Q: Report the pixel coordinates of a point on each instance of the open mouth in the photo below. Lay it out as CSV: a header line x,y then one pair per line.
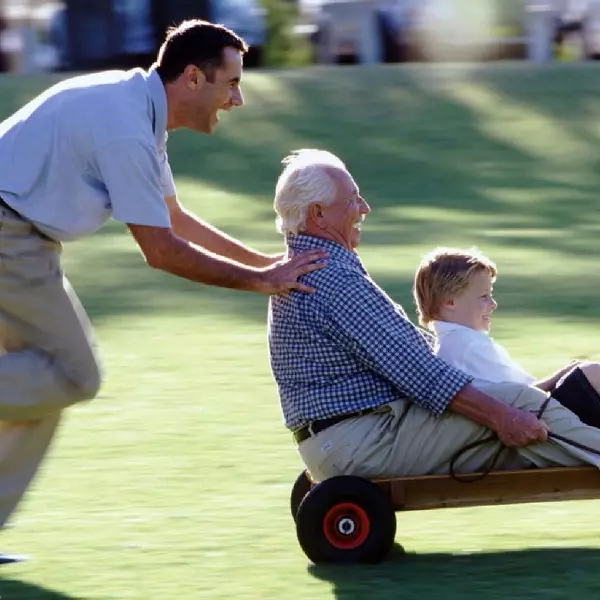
x,y
357,224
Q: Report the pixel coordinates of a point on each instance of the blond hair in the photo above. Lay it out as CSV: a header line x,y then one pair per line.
x,y
444,273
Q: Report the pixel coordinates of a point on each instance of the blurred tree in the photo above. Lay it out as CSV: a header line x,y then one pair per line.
x,y
284,47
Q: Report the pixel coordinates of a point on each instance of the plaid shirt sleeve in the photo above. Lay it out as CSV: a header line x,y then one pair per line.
x,y
428,337
373,328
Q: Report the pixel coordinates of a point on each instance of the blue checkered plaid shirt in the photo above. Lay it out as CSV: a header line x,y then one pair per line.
x,y
348,346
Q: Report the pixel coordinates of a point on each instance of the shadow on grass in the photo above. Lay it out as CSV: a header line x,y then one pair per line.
x,y
12,589
547,573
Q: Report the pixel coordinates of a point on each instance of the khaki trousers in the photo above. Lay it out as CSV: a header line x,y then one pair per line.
x,y
407,440
48,359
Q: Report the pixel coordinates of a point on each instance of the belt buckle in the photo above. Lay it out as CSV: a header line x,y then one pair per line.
x,y
310,429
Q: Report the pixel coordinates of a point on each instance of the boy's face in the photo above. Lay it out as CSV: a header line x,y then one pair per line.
x,y
473,306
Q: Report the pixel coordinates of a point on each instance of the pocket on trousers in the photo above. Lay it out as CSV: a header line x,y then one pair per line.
x,y
31,270
336,461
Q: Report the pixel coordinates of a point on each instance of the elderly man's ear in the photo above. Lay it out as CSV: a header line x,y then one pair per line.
x,y
315,213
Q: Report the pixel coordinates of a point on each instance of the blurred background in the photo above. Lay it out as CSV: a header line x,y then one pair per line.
x,y
49,35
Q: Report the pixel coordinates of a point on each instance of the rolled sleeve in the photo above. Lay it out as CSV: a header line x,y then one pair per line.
x,y
131,171
368,324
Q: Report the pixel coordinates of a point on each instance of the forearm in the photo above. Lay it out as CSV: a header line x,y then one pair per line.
x,y
184,259
479,407
191,228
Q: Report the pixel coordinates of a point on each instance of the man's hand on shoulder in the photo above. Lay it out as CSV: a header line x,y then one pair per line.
x,y
282,276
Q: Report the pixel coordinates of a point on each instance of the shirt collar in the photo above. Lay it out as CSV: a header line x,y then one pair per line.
x,y
158,95
302,242
441,327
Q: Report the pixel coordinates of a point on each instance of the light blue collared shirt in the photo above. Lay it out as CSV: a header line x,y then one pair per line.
x,y
90,147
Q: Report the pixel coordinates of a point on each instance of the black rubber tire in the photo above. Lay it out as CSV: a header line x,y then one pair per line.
x,y
346,519
302,486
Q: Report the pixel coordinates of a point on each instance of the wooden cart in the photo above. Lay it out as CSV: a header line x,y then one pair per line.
x,y
350,519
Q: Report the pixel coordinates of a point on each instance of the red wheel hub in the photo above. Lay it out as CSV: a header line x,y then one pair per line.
x,y
346,526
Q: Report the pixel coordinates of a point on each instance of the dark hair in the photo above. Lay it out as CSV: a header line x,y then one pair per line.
x,y
195,42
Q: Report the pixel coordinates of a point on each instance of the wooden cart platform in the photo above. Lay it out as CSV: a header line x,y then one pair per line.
x,y
498,487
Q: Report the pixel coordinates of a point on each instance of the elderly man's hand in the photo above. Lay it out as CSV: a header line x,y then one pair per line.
x,y
517,428
283,276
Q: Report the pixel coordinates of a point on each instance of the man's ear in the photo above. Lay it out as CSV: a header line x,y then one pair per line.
x,y
193,78
315,212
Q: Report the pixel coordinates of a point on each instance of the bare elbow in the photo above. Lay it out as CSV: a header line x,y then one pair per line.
x,y
155,244
154,260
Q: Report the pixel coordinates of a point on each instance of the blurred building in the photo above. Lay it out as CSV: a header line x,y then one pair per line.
x,y
97,34
450,30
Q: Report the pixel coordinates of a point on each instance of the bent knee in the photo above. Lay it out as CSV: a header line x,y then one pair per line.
x,y
592,371
87,382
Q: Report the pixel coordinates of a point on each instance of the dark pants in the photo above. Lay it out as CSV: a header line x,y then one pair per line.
x,y
576,393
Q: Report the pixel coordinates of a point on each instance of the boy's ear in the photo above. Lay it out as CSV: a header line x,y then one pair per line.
x,y
448,303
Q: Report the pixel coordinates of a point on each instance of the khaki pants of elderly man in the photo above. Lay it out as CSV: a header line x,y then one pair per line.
x,y
405,440
48,360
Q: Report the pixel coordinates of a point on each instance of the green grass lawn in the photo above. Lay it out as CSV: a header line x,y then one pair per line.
x,y
175,483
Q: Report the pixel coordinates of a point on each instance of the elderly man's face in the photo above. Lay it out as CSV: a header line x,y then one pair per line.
x,y
341,220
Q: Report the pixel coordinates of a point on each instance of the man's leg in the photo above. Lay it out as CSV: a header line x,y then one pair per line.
x,y
405,441
51,361
559,420
424,441
23,445
410,441
22,449
58,365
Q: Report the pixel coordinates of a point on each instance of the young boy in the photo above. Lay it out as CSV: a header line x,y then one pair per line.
x,y
453,292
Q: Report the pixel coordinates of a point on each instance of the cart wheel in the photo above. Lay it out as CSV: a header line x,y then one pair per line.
x,y
346,519
302,486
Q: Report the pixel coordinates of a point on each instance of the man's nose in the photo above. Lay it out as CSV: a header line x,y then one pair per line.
x,y
365,209
237,98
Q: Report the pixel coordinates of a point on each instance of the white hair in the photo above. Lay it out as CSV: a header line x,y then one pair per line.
x,y
305,180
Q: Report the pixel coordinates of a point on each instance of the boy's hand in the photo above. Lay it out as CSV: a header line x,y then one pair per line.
x,y
564,371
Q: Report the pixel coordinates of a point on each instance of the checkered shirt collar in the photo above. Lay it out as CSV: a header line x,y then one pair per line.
x,y
337,252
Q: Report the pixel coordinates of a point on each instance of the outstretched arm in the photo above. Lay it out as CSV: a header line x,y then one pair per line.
x,y
166,251
191,228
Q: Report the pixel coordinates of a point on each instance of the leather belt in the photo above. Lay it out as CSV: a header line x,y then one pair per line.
x,y
315,427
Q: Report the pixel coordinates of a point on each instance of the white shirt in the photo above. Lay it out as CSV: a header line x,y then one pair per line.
x,y
477,354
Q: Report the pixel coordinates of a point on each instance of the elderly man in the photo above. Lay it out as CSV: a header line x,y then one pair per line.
x,y
90,148
360,387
